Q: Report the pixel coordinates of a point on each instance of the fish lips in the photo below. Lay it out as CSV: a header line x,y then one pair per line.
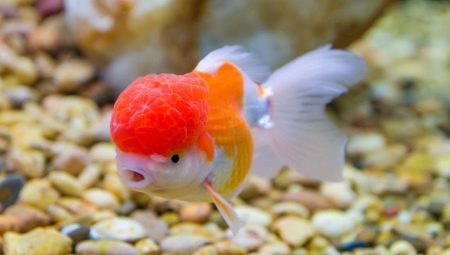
x,y
135,178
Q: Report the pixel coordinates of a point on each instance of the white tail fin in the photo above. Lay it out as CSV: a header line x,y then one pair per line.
x,y
302,136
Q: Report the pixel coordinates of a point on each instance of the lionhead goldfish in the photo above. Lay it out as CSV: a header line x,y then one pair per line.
x,y
197,136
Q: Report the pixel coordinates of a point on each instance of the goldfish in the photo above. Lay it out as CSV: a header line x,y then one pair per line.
x,y
198,136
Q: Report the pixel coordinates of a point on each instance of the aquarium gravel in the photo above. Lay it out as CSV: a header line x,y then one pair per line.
x,y
60,192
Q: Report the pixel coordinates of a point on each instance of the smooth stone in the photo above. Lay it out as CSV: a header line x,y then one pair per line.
x,y
37,242
103,153
26,217
340,194
196,212
72,73
121,229
209,231
365,143
69,157
147,247
402,248
253,215
229,247
76,232
76,206
39,193
105,247
334,224
101,199
206,250
126,207
156,229
350,246
311,199
275,248
89,176
29,163
113,184
251,237
182,244
10,187
255,187
65,183
289,208
294,231
443,167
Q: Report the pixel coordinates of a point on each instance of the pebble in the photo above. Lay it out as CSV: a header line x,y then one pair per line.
x,y
147,247
251,237
156,229
37,242
121,229
24,218
289,208
113,184
209,231
253,215
73,73
49,7
294,231
402,248
10,187
230,248
103,153
39,193
182,244
69,158
443,166
31,164
275,248
76,206
206,250
43,38
340,194
311,199
105,247
334,224
76,232
65,183
102,199
350,246
196,212
89,176
365,143
255,187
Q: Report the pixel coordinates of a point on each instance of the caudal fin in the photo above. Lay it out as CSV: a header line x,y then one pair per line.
x,y
302,136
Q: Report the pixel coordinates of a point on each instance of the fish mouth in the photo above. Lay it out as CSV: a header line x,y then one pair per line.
x,y
135,178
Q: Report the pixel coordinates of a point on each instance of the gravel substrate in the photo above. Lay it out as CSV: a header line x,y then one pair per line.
x,y
60,192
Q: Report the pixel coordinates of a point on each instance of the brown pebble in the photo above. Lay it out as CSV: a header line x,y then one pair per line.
x,y
311,199
104,247
196,212
43,38
28,216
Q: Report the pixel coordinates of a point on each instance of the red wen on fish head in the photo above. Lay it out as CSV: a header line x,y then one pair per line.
x,y
160,114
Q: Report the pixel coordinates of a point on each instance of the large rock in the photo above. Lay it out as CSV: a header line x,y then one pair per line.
x,y
129,38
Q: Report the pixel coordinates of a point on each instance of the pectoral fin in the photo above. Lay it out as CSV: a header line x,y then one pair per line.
x,y
225,209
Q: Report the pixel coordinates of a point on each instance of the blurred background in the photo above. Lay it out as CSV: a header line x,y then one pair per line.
x,y
62,63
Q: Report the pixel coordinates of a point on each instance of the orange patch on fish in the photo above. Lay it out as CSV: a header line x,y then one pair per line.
x,y
225,122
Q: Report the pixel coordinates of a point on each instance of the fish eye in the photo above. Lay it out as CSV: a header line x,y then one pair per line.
x,y
175,158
